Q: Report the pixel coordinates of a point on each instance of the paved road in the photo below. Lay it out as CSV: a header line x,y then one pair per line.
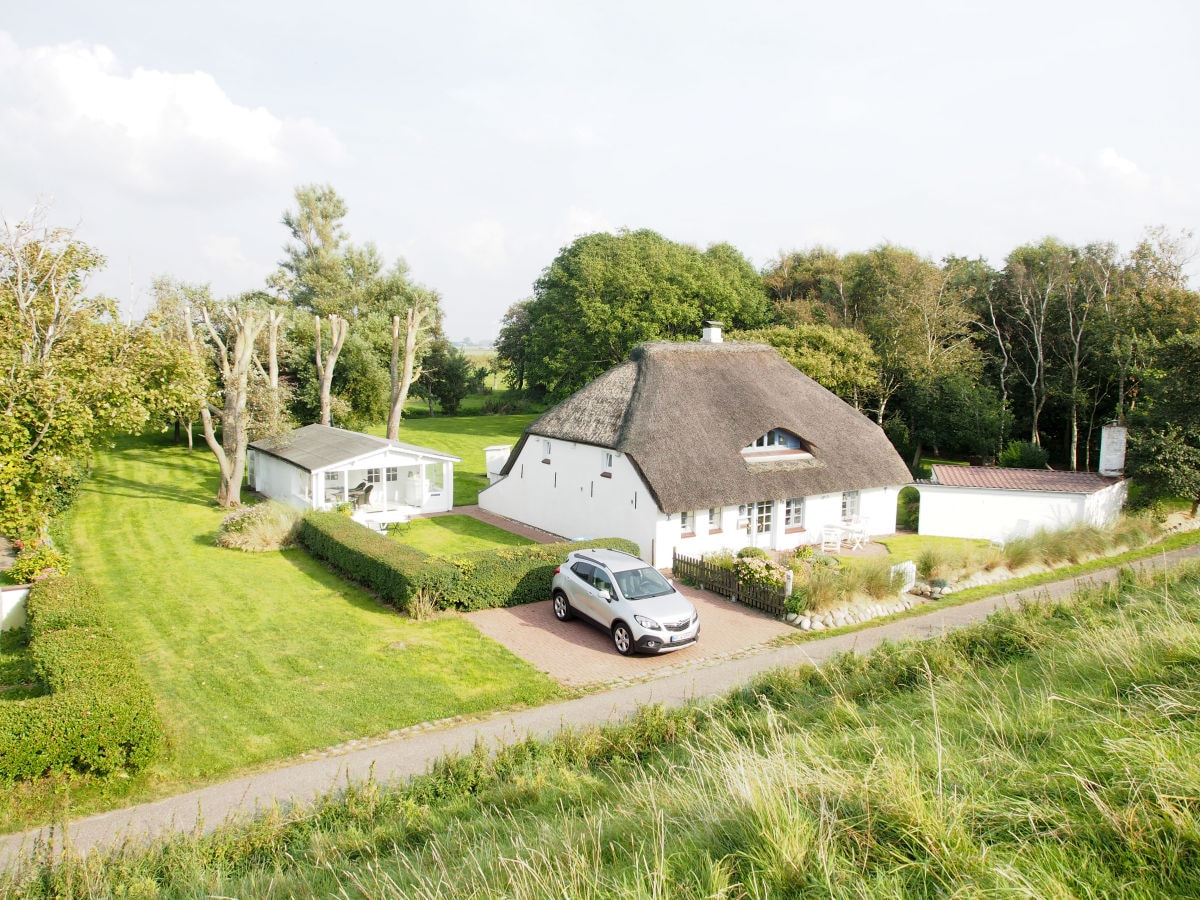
x,y
411,755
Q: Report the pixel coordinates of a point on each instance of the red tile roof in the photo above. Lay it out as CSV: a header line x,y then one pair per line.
x,y
1021,479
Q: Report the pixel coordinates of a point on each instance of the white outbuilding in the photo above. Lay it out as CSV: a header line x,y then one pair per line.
x,y
320,467
698,446
1001,504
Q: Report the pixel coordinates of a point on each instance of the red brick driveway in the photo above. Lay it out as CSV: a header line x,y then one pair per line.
x,y
576,653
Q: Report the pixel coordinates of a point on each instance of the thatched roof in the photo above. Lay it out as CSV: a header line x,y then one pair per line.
x,y
994,478
321,446
683,412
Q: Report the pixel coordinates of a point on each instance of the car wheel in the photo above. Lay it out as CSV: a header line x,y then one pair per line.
x,y
562,608
622,639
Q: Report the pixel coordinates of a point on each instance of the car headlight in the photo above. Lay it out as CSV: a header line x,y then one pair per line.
x,y
648,623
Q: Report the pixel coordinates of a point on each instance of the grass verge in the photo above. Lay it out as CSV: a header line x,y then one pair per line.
x,y
1051,751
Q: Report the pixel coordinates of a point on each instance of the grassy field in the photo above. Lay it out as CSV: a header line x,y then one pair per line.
x,y
465,437
453,535
1051,751
256,657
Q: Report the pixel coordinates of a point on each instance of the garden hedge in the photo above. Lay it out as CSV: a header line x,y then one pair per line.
x,y
507,576
99,714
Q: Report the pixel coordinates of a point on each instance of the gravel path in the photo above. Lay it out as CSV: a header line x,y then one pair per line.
x,y
410,752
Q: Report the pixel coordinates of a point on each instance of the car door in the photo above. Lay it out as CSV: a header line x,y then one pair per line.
x,y
580,588
602,582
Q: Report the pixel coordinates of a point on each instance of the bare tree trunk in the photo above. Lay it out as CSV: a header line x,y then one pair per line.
x,y
405,372
338,328
234,365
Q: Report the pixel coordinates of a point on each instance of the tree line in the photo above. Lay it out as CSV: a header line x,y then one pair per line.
x,y
956,357
334,335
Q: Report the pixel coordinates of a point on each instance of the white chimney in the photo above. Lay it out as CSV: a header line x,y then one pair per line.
x,y
494,459
712,333
1112,450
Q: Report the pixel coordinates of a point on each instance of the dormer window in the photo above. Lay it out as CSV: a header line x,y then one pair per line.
x,y
778,442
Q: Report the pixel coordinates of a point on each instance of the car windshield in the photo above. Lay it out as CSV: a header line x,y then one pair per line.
x,y
637,584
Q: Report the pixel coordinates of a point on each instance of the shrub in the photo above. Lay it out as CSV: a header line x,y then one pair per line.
x,y
34,563
1019,552
753,553
876,579
264,526
392,570
931,562
511,576
1022,455
508,576
759,571
99,715
722,558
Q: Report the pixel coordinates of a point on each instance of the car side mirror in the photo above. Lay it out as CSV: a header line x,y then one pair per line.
x,y
605,595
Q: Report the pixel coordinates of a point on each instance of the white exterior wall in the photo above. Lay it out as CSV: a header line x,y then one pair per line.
x,y
569,495
280,480
877,510
999,515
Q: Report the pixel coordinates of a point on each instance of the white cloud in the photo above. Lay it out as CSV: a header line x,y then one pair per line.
x,y
166,134
1126,169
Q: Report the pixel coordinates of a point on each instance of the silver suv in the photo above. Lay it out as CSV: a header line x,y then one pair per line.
x,y
627,598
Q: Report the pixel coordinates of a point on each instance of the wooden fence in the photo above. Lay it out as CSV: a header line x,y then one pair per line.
x,y
725,581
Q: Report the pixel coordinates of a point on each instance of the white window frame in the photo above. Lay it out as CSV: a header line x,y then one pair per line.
x,y
851,505
392,473
374,476
793,512
687,523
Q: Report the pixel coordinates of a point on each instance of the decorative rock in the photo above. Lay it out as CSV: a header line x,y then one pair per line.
x,y
806,624
818,625
792,618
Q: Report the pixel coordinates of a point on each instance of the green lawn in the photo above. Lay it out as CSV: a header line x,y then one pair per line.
x,y
465,437
455,535
258,657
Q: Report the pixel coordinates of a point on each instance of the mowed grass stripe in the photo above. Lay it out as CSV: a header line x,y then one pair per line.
x,y
257,657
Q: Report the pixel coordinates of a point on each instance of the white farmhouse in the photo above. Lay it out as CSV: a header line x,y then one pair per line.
x,y
319,467
700,446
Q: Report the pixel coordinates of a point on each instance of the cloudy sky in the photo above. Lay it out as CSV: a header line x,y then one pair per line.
x,y
475,139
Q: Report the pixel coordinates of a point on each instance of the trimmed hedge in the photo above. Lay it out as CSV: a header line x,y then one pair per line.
x,y
509,576
100,714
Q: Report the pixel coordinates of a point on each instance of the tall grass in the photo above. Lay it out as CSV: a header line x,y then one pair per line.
x,y
1051,751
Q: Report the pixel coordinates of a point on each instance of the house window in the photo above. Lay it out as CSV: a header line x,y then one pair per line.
x,y
776,440
333,478
743,519
793,513
714,519
393,474
762,517
687,522
373,476
850,505
606,462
